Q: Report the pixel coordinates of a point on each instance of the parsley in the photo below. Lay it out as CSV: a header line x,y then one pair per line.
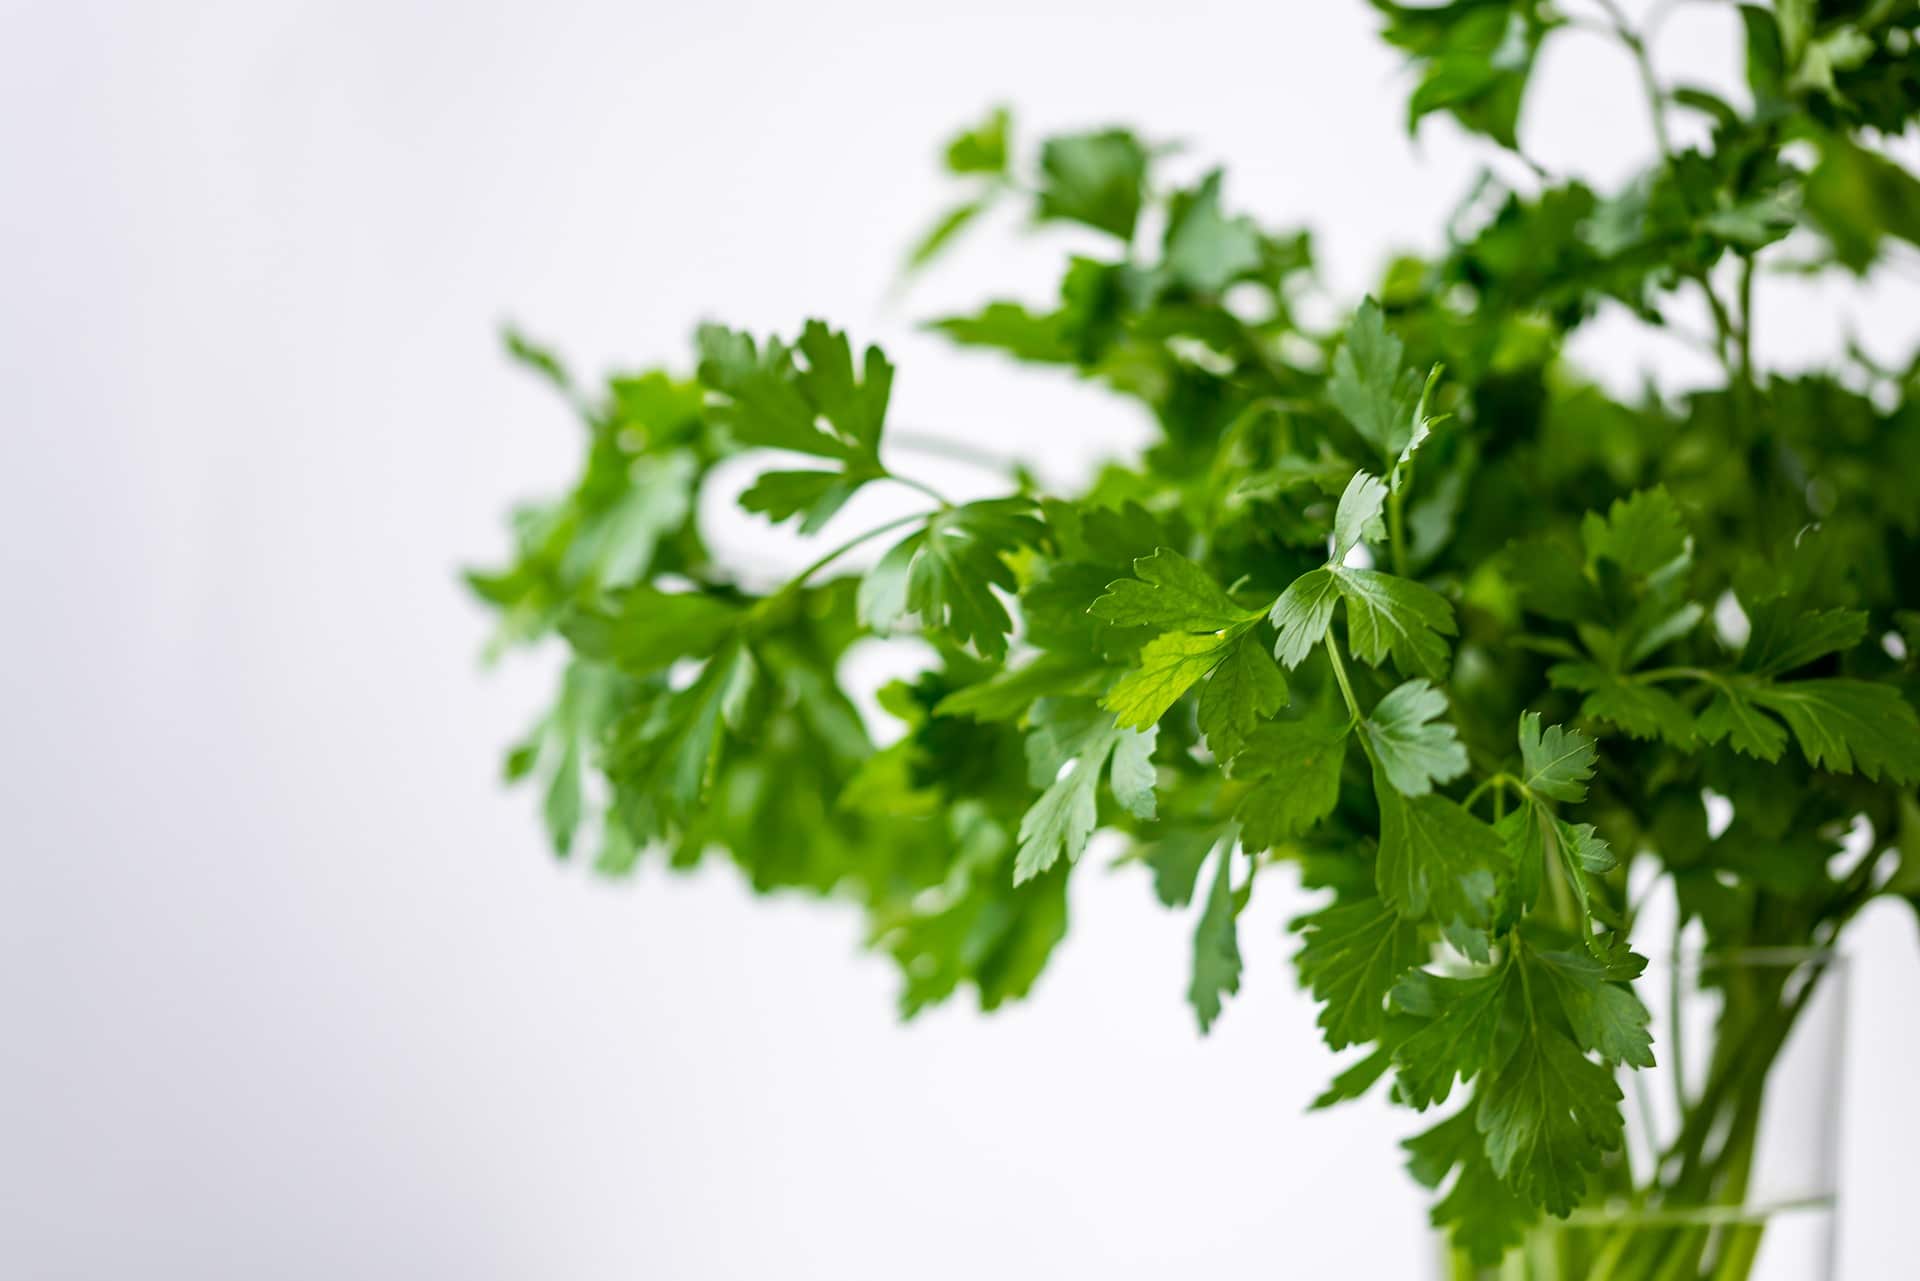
x,y
1405,601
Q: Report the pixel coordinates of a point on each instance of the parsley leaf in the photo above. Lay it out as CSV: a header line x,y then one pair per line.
x,y
1558,762
1206,251
1781,638
1358,519
945,573
1071,744
1207,632
1438,860
1371,386
1548,1114
1295,770
1845,725
1413,750
1216,946
644,629
815,496
1455,1022
1640,533
1485,1216
1391,615
1474,57
1095,179
1169,666
1351,956
1303,613
1170,593
773,400
1245,688
1641,710
1732,715
661,759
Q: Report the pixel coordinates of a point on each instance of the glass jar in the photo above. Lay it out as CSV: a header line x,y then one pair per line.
x,y
1731,1162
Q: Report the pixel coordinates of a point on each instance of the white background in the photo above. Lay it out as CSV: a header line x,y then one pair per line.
x,y
288,985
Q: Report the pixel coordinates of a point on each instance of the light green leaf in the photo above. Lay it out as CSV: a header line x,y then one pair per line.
x,y
943,231
1205,250
1169,666
1413,748
1386,614
1371,387
1303,613
1170,593
945,574
1358,518
981,149
660,766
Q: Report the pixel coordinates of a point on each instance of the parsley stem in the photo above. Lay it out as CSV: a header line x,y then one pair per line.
x,y
935,446
1656,99
1656,674
1678,1047
1346,688
922,487
1722,320
1396,523
1499,781
800,578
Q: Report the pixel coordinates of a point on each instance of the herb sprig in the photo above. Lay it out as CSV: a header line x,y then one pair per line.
x,y
1410,605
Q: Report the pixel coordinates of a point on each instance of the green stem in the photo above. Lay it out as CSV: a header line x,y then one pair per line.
x,y
1396,500
921,487
1497,780
1723,326
958,451
794,583
1745,344
1655,674
1649,83
1676,1041
1346,689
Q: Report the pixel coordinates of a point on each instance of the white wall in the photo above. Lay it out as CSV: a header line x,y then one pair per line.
x,y
288,985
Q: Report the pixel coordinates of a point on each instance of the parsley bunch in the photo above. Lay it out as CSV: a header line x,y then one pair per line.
x,y
1410,605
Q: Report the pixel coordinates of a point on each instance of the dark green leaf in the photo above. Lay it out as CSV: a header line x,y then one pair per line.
x,y
1216,946
1558,762
1243,690
1094,178
1350,957
1295,769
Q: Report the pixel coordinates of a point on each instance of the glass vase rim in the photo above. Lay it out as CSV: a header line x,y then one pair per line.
x,y
1785,956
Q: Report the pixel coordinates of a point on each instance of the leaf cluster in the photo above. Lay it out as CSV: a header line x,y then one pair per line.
x,y
1408,603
